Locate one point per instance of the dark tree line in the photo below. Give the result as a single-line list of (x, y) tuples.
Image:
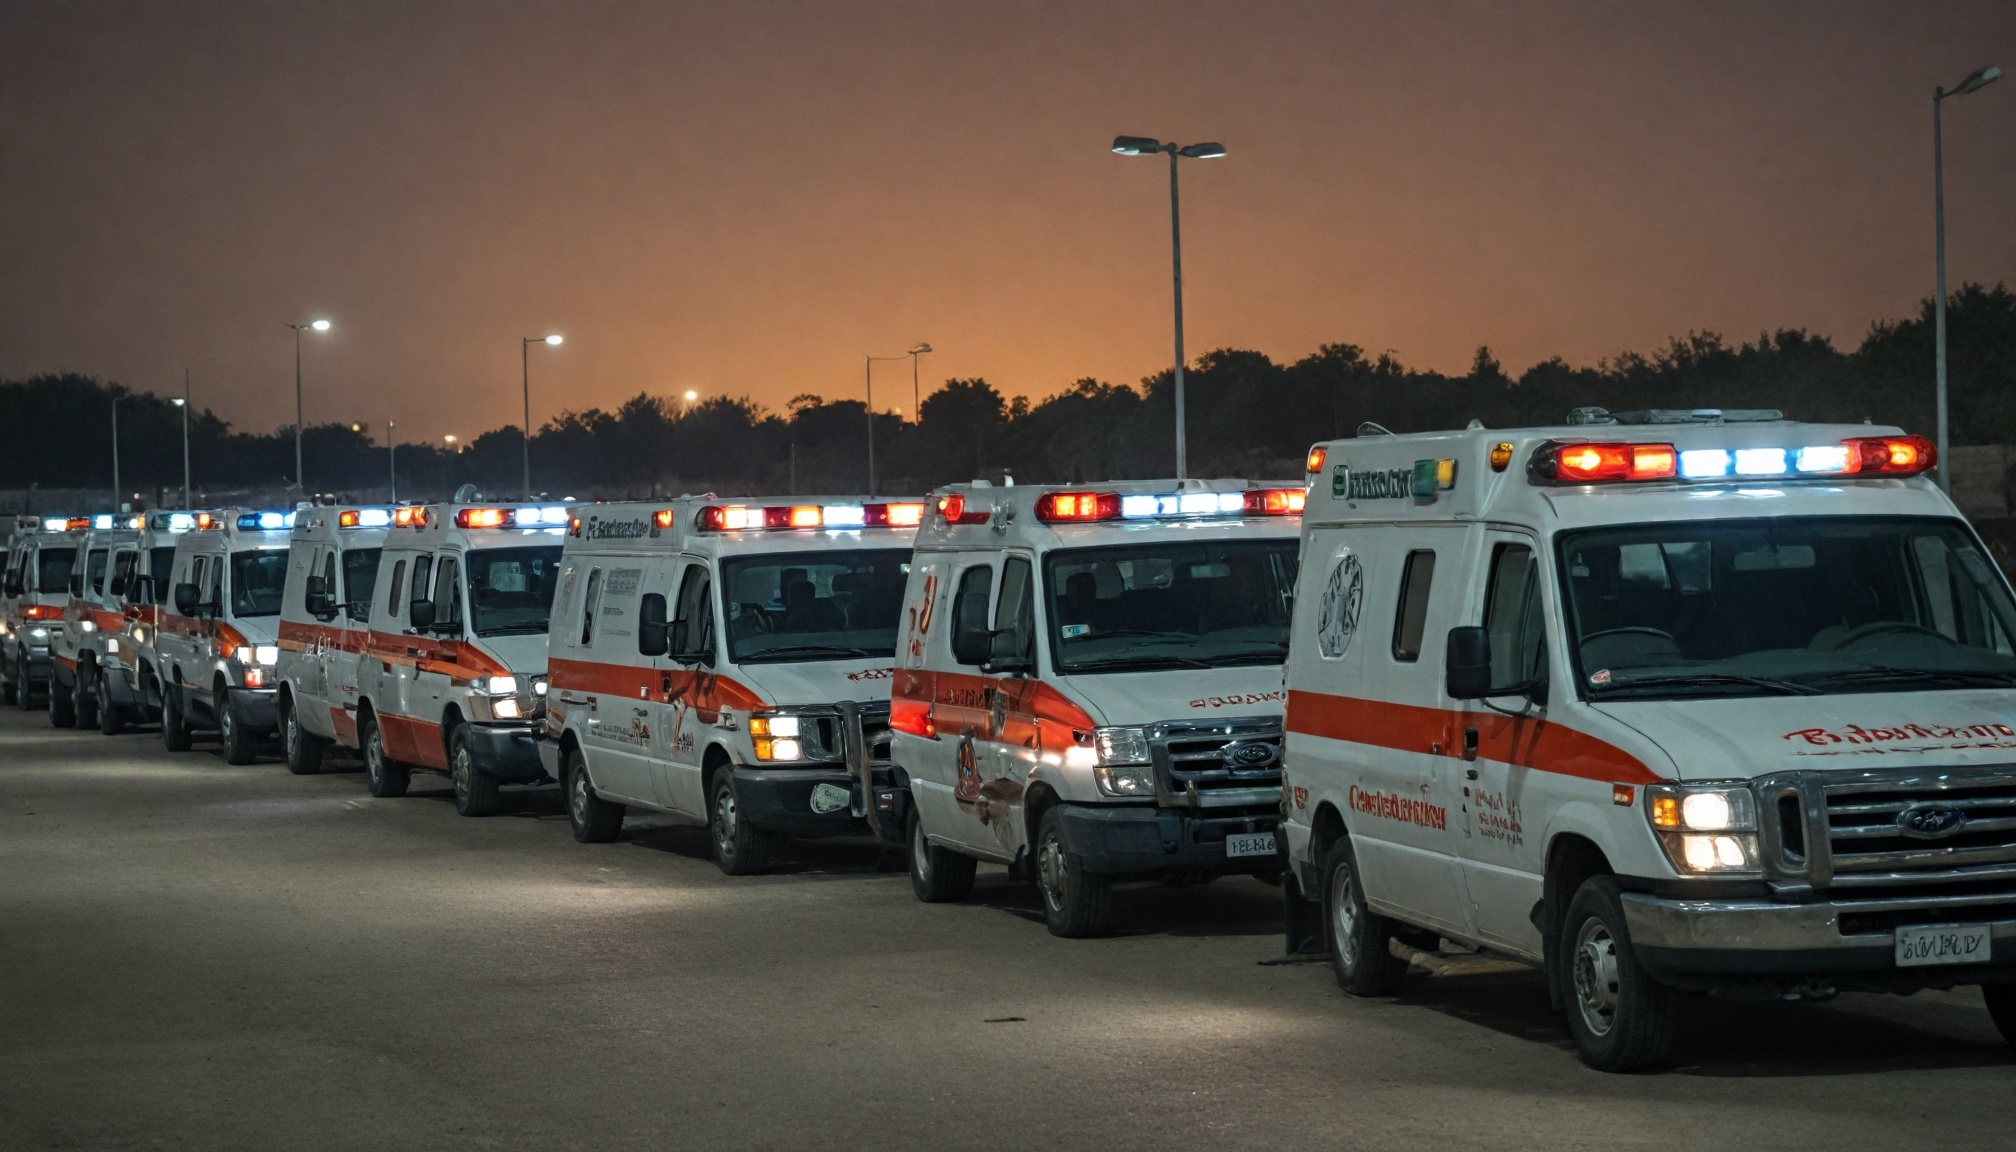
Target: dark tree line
[(1248, 416)]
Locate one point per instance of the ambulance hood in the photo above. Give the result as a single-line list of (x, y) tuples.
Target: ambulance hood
[(257, 629), (523, 655), (812, 682), (1756, 736), (1113, 698)]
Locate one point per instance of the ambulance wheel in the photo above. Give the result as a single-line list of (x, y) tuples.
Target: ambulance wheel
[(739, 848), (1620, 1018), (24, 688), (304, 749), (241, 744), (111, 717), (84, 699), (174, 724), (1076, 903), (62, 704), (476, 792), (384, 777), (1360, 939), (2001, 1000), (595, 820), (937, 875)]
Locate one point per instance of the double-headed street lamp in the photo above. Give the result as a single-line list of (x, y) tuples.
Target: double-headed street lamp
[(525, 367), (1148, 146), (300, 479), (183, 403), (916, 400), (1980, 78), (869, 370)]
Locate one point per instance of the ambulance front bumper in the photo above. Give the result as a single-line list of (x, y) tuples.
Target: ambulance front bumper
[(1703, 943), (513, 753), (1128, 839), (253, 708), (812, 802)]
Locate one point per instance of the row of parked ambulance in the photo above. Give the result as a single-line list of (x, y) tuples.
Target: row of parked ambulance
[(1662, 703)]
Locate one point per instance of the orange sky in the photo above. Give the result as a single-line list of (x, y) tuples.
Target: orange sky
[(748, 197)]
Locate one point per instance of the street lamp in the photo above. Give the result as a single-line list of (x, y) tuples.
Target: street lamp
[(916, 404), (1978, 79), (115, 454), (1148, 146), (183, 404), (392, 459), (300, 480), (525, 367), (870, 371)]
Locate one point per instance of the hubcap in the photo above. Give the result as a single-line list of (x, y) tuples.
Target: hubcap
[(1344, 914), (920, 853), (1596, 976), (724, 822), (461, 771), (1050, 870), (374, 754), (293, 735), (225, 726), (577, 797)]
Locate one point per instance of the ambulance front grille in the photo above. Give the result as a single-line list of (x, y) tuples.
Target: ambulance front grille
[(1224, 763), (1887, 829)]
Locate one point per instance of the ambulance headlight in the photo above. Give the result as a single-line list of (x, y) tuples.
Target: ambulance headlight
[(1121, 745), (505, 709), (539, 685), (1135, 781), (38, 635), (87, 625), (501, 685), (1705, 829), (789, 737), (266, 654)]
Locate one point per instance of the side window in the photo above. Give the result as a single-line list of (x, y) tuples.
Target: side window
[(423, 566), (216, 582), (1513, 617), (122, 572), (329, 574), (360, 573), (591, 603), (199, 575), (696, 612), (392, 599), (1015, 611), (96, 573), (448, 594), (1412, 614), (969, 615)]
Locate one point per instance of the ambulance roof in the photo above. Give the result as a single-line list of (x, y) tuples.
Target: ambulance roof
[(1109, 512), (712, 523), (1632, 468)]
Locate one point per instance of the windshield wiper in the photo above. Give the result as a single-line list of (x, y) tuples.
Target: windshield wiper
[(1706, 680), (1120, 663), (511, 630), (1234, 658), (1975, 676), (791, 650)]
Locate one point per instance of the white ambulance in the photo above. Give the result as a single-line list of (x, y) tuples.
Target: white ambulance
[(728, 661), (325, 614), (132, 682), (1664, 703), (92, 624), (452, 674), (40, 554), (1089, 686), (215, 646)]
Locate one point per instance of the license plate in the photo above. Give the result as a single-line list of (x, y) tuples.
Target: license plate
[(1250, 844), (1943, 944)]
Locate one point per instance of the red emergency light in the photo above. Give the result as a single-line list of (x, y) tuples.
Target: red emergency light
[(955, 511), (1276, 501), (1890, 455), (1583, 463), (1068, 507)]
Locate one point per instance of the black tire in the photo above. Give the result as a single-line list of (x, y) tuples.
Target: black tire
[(304, 749), (1076, 903), (476, 792), (1360, 940), (62, 704), (241, 744), (2001, 1000), (1620, 1018), (24, 684), (937, 875), (84, 697), (111, 717), (384, 777), (739, 848), (174, 721), (595, 820)]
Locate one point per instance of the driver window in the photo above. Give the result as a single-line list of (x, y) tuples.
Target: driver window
[(448, 596), (969, 615), (696, 612), (216, 593), (1513, 618), (423, 565), (1016, 609), (398, 583), (591, 603), (1958, 605)]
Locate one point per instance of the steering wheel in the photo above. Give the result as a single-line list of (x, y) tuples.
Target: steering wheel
[(1884, 627), (1629, 630)]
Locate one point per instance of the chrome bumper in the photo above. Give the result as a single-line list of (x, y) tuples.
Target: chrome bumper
[(1714, 938)]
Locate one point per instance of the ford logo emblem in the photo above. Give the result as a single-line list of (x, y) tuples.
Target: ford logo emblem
[(1931, 823), (1250, 756)]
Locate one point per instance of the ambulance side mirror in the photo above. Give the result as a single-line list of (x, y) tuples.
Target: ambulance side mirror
[(16, 588), (140, 590), (1466, 665), (654, 636), (420, 614), (316, 599), (970, 638), (1004, 652), (186, 599)]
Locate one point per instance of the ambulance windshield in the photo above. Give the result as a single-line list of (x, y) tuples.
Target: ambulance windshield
[(510, 589), (814, 605), (1173, 604), (52, 568), (257, 578), (1793, 606)]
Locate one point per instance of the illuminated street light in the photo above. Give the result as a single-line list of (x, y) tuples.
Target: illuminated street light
[(1149, 146), (183, 403), (525, 367), (916, 404), (320, 326), (1976, 80)]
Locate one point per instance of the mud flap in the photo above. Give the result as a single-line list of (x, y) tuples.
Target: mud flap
[(1302, 918)]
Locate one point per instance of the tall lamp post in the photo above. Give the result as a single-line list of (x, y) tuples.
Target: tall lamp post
[(115, 455), (916, 398), (870, 371), (183, 404), (392, 459), (300, 479), (1148, 146), (525, 367), (1978, 79)]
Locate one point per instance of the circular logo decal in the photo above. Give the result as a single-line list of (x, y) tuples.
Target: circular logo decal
[(1337, 612)]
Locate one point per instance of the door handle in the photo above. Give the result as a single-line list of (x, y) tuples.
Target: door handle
[(1470, 747)]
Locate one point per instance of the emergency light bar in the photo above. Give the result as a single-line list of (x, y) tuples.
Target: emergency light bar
[(532, 518), (54, 524), (101, 522), (205, 522), (1573, 462), (409, 517), (954, 509), (265, 521), (364, 518), (1079, 507), (173, 521), (77, 524), (740, 518)]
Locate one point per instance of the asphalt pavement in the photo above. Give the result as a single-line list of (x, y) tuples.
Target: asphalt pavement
[(195, 956)]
